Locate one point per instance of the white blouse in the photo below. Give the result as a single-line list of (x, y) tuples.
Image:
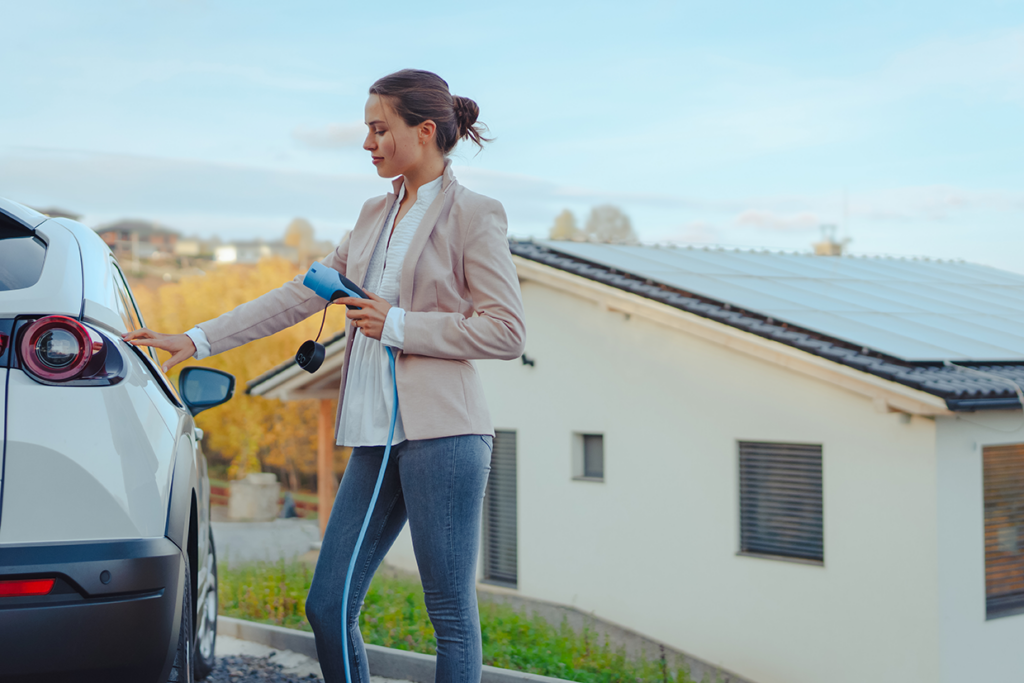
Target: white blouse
[(369, 389)]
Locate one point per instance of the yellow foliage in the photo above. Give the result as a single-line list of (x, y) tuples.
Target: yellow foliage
[(249, 431)]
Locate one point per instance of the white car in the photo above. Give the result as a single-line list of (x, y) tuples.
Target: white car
[(107, 563)]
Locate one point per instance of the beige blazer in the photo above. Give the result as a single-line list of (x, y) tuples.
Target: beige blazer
[(460, 292)]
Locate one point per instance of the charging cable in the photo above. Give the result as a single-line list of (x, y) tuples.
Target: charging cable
[(330, 284)]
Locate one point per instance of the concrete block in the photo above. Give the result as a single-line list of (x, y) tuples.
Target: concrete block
[(254, 499)]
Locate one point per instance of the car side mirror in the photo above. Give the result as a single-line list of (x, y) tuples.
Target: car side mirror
[(203, 388)]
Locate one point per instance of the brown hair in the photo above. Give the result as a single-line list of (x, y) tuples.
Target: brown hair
[(418, 96)]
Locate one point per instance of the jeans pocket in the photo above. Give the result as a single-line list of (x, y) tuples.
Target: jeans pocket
[(489, 441)]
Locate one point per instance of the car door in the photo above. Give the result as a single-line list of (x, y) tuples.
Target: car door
[(199, 460)]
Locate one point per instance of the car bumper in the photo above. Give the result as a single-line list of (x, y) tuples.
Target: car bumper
[(113, 614)]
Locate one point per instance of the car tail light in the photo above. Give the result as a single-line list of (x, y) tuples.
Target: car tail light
[(23, 587), (57, 348)]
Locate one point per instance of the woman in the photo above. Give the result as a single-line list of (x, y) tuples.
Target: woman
[(444, 291)]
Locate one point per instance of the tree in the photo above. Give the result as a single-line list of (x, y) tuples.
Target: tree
[(607, 223), (300, 234), (249, 432), (565, 228)]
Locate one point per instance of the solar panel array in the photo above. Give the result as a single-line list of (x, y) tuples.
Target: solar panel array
[(916, 310)]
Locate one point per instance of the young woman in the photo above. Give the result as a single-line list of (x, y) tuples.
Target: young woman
[(444, 291)]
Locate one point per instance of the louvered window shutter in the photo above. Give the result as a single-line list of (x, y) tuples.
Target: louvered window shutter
[(500, 541), (1004, 529), (780, 500)]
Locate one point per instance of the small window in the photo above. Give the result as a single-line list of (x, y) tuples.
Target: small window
[(781, 501), (588, 457), (1003, 470)]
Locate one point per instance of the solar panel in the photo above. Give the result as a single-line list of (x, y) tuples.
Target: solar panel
[(916, 310)]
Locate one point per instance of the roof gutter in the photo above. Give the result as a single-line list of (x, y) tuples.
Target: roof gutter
[(969, 405)]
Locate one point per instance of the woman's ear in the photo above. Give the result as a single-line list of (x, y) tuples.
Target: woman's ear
[(426, 132)]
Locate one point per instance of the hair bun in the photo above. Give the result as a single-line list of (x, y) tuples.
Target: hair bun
[(466, 113)]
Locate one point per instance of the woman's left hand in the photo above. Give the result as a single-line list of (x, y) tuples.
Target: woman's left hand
[(370, 316)]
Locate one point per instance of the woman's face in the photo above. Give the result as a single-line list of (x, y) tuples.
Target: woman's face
[(395, 147)]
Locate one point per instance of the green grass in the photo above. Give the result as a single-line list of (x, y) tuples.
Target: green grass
[(394, 615)]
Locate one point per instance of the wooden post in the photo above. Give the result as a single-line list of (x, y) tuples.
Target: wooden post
[(325, 463)]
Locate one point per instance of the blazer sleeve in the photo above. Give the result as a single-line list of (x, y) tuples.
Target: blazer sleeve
[(272, 312), (498, 330)]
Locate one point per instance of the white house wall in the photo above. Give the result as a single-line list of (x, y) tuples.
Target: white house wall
[(972, 648), (654, 547)]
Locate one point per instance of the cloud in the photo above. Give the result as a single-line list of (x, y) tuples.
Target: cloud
[(331, 136), (780, 222), (696, 232), (98, 183)]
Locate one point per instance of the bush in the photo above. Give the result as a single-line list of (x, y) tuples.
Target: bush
[(394, 615)]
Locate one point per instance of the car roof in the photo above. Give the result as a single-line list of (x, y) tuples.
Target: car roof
[(78, 277), (30, 218)]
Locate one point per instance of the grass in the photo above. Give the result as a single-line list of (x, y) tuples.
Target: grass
[(394, 615)]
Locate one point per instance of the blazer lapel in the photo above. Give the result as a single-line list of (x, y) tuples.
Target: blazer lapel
[(423, 232)]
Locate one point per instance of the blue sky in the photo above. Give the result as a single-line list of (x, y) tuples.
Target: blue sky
[(734, 123)]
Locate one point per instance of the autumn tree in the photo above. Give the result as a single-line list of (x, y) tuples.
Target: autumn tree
[(249, 432), (300, 234), (565, 228), (607, 223)]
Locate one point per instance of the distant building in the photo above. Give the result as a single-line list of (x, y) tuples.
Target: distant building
[(57, 212), (138, 239), (253, 252)]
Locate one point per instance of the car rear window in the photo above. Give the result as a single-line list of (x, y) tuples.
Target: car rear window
[(21, 257)]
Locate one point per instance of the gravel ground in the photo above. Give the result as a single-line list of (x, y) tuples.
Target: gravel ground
[(250, 669), (241, 661)]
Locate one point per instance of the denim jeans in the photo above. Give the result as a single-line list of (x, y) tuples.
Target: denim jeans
[(438, 485)]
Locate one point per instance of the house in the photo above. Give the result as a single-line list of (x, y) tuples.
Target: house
[(253, 252), (138, 239), (797, 468)]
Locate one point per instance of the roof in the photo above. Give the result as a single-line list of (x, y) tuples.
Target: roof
[(800, 301), (911, 309), (279, 374)]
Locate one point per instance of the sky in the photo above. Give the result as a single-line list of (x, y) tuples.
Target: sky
[(741, 124)]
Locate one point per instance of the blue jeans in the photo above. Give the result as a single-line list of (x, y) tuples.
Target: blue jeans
[(438, 485)]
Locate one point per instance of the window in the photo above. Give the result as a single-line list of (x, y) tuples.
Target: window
[(129, 310), (588, 457), (1003, 470), (500, 528), (780, 501), (21, 258), (130, 315)]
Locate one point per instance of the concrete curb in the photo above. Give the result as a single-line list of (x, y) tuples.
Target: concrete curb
[(383, 661)]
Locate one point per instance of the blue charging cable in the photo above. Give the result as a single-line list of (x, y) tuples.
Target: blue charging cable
[(330, 284)]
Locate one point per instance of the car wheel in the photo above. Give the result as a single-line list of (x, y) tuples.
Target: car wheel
[(206, 629), (181, 672)]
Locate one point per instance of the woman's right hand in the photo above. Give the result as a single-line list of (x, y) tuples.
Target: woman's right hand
[(180, 346)]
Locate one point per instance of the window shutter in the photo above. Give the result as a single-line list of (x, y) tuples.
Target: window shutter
[(780, 500), (500, 541), (1004, 529)]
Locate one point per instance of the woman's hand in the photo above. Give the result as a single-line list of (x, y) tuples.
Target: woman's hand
[(369, 318), (180, 346)]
